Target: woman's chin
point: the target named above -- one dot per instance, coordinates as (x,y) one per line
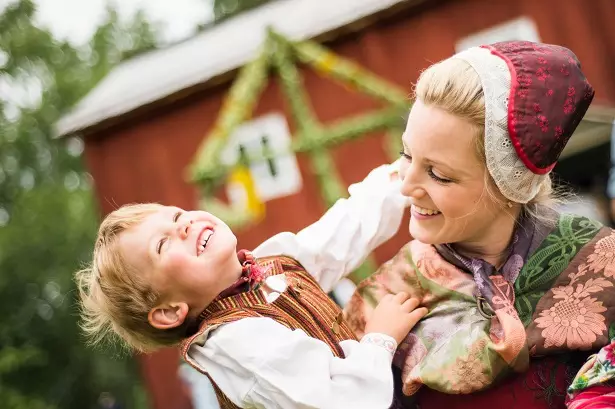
(425,237)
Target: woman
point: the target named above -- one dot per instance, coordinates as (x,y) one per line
(518,294)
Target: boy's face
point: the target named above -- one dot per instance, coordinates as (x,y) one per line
(189,257)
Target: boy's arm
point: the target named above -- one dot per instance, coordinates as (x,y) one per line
(348,232)
(258,362)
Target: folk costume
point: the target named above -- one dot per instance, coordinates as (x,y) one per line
(508,337)
(276,340)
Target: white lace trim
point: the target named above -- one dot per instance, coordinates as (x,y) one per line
(381,340)
(515,181)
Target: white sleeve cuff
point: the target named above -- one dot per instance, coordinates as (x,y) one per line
(381,340)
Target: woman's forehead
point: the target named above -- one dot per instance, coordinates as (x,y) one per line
(435,135)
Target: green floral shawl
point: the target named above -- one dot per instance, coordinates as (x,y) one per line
(563,299)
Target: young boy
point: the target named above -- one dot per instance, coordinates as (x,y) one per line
(259,325)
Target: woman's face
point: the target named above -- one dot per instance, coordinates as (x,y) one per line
(446,182)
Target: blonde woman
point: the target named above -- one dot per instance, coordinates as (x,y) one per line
(515,291)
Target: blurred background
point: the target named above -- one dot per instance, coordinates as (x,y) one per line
(104,103)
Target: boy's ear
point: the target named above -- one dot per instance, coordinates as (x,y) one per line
(168,316)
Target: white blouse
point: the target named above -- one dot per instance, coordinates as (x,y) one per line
(259,363)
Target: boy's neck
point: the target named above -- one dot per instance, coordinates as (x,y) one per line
(243,283)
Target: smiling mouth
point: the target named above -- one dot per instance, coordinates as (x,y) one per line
(425,212)
(203,239)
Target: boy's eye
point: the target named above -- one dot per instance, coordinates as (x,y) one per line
(176,217)
(159,245)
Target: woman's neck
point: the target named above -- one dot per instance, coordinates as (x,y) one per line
(492,254)
(493,246)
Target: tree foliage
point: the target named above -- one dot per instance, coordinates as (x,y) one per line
(47,213)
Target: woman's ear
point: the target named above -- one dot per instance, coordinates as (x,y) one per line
(168,316)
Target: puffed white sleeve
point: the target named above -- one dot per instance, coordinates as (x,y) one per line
(260,363)
(348,232)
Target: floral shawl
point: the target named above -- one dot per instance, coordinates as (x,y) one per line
(485,324)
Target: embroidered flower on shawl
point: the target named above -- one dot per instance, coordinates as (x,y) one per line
(576,319)
(573,322)
(433,268)
(382,277)
(467,373)
(394,276)
(435,335)
(603,257)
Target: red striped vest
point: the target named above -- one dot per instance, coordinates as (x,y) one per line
(304,305)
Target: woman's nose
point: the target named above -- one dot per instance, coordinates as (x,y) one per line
(409,185)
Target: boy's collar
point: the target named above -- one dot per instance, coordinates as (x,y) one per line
(251,276)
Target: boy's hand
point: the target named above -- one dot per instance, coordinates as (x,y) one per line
(395,316)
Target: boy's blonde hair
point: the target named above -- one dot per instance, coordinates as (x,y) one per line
(115,298)
(455,87)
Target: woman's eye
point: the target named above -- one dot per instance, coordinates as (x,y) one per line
(438,178)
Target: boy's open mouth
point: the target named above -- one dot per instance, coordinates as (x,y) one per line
(203,239)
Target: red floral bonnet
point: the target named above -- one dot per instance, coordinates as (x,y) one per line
(535,96)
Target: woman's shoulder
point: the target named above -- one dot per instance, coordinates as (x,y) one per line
(579,225)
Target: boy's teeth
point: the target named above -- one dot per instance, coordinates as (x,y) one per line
(206,236)
(204,240)
(426,212)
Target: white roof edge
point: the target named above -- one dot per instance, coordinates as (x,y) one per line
(222,48)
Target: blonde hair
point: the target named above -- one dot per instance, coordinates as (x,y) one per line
(115,298)
(455,87)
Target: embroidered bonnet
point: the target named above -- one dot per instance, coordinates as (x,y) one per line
(535,96)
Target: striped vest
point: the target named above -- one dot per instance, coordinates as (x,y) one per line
(304,305)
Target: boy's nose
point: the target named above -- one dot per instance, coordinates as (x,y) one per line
(184,229)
